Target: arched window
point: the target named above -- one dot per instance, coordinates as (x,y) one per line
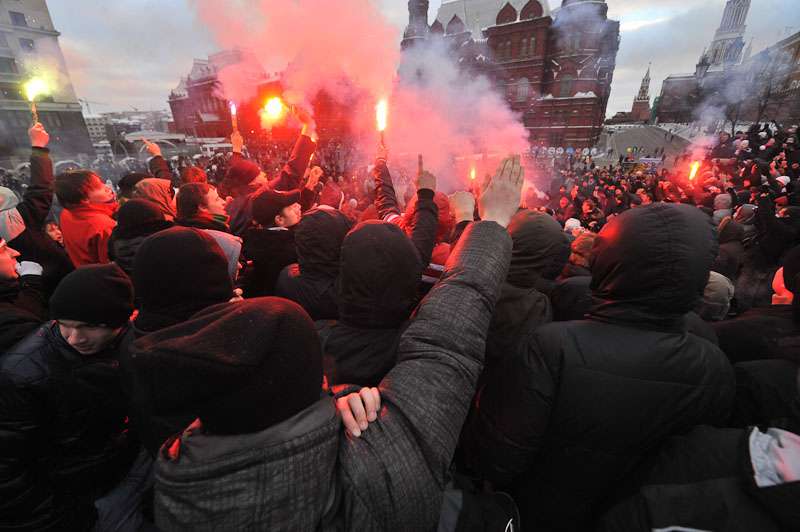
(532,46)
(508,49)
(523,90)
(523,47)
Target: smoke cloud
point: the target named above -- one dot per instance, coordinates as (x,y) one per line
(349,50)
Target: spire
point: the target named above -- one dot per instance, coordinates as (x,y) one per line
(644,90)
(728,43)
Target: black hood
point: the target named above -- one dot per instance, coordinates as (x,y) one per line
(540,249)
(651,265)
(730,231)
(318,238)
(380,272)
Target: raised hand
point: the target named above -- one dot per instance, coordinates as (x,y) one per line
(152,148)
(501,195)
(463,204)
(38,135)
(426,180)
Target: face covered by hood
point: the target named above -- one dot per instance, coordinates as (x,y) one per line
(380,273)
(651,265)
(160,192)
(318,238)
(540,249)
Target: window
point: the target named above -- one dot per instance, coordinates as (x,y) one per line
(18,19)
(523,90)
(27,45)
(532,47)
(8,65)
(566,86)
(524,47)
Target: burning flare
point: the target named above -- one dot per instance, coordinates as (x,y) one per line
(274,109)
(382,114)
(36,87)
(234,120)
(694,168)
(472,174)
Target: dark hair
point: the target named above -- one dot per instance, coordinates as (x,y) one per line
(193,174)
(191,197)
(72,187)
(128,183)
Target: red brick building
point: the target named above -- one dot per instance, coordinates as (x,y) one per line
(554,68)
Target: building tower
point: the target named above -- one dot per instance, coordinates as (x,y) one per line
(417,29)
(641,104)
(728,44)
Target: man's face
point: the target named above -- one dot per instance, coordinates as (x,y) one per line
(587,207)
(214,204)
(724,137)
(563,202)
(87,339)
(289,216)
(8,262)
(54,232)
(99,192)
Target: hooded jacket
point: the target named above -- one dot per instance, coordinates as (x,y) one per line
(573,413)
(539,254)
(311,282)
(158,191)
(377,291)
(87,229)
(22,223)
(63,433)
(731,250)
(306,474)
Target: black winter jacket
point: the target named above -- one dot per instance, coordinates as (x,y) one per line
(23,308)
(63,433)
(576,410)
(267,252)
(33,243)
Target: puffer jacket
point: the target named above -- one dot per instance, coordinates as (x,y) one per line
(305,474)
(23,308)
(63,433)
(583,401)
(716,479)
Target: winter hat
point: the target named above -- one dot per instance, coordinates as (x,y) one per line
(331,195)
(269,203)
(99,294)
(242,173)
(745,214)
(791,267)
(139,217)
(717,297)
(571,224)
(783,180)
(722,202)
(8,199)
(178,272)
(380,273)
(128,183)
(240,367)
(540,249)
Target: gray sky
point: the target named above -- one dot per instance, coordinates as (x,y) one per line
(131,53)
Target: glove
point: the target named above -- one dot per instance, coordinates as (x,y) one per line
(28,268)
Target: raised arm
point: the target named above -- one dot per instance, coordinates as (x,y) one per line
(158,166)
(294,170)
(425,219)
(385,196)
(440,356)
(38,198)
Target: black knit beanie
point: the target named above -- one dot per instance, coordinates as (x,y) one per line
(97,295)
(240,367)
(177,272)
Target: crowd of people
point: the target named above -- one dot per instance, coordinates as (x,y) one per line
(245,344)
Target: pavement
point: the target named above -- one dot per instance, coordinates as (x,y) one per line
(647,137)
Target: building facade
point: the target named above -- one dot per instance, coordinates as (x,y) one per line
(554,68)
(27,39)
(96,125)
(730,84)
(640,112)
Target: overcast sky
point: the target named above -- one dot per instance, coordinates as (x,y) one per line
(131,53)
